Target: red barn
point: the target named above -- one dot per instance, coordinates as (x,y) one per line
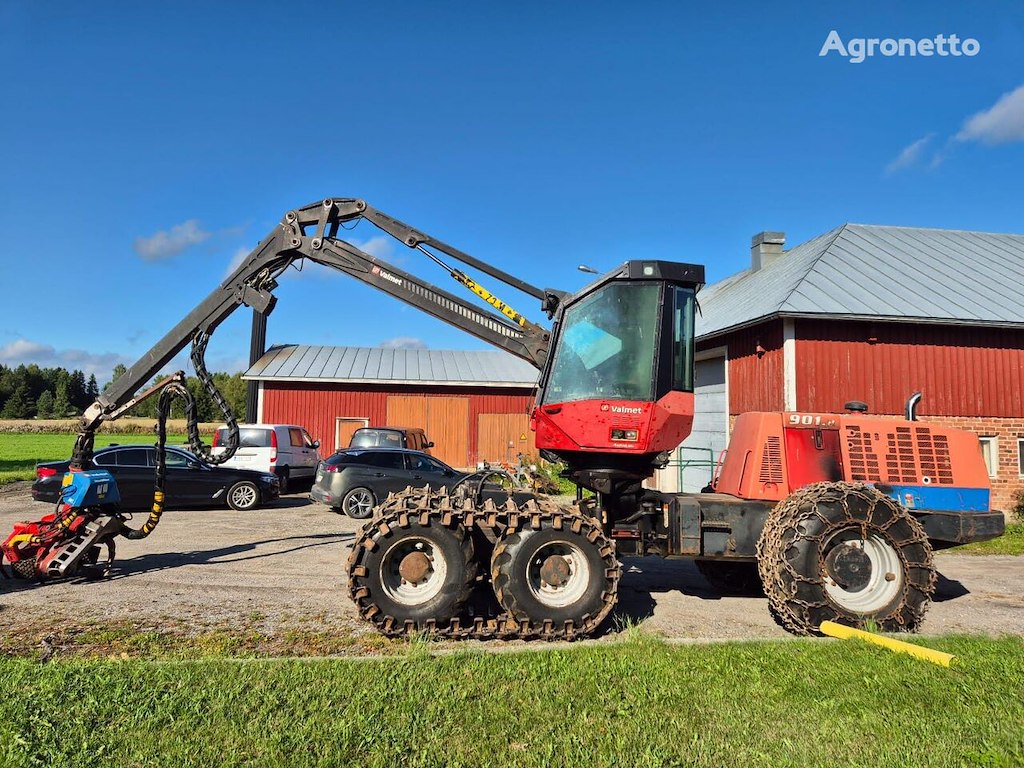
(873,314)
(474,406)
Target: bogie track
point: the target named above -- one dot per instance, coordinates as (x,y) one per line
(576,578)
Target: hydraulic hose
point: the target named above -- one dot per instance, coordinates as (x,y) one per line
(163,410)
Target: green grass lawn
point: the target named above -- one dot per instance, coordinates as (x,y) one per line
(636,703)
(19,453)
(1010,543)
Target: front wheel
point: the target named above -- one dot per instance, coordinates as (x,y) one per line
(358,503)
(845,552)
(244,496)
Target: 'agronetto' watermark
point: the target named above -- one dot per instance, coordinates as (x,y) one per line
(859,48)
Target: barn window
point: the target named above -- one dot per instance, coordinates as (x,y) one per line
(1020,457)
(990,452)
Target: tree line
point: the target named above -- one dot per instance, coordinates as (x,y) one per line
(32,392)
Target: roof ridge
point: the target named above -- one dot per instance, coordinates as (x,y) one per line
(838,231)
(934,229)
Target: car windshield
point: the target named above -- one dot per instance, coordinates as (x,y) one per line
(376,438)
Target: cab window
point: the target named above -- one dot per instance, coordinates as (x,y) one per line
(607,346)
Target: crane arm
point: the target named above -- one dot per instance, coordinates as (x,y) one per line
(311,232)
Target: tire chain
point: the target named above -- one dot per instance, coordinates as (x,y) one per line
(782,530)
(460,509)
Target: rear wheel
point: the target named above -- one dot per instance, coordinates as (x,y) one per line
(415,569)
(845,552)
(283,473)
(358,503)
(244,496)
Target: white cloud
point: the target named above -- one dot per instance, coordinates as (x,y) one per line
(909,156)
(25,351)
(1001,123)
(381,246)
(404,342)
(167,243)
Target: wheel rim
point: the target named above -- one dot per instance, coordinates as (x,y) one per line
(244,496)
(558,574)
(359,503)
(413,571)
(861,575)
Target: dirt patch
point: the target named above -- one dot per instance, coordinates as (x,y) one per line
(273,582)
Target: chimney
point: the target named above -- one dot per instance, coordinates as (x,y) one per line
(765,247)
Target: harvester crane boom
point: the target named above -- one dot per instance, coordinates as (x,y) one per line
(311,232)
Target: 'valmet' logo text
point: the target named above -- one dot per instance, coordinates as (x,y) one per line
(626,409)
(387,276)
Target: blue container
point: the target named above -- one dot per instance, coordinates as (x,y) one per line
(90,489)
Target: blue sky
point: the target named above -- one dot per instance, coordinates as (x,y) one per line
(146,146)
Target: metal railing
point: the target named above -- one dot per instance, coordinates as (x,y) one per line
(689,459)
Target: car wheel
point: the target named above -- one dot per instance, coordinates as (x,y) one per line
(359,503)
(244,496)
(282,477)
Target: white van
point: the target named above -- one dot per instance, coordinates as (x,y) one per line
(286,450)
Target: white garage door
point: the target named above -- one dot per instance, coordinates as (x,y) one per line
(700,451)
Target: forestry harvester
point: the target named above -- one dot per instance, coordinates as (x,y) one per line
(834,516)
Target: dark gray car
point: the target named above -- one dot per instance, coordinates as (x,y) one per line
(355,480)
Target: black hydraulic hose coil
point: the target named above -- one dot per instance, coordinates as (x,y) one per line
(163,411)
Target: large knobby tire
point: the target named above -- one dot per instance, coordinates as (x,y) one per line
(358,503)
(542,573)
(844,552)
(412,569)
(244,496)
(730,577)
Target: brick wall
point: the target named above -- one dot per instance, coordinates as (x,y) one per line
(1006,431)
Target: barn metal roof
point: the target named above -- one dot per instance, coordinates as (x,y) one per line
(858,271)
(378,365)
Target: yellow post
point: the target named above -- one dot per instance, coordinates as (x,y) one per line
(845,633)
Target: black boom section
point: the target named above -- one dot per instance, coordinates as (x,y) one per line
(311,233)
(433,300)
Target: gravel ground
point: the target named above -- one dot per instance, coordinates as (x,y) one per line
(280,571)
